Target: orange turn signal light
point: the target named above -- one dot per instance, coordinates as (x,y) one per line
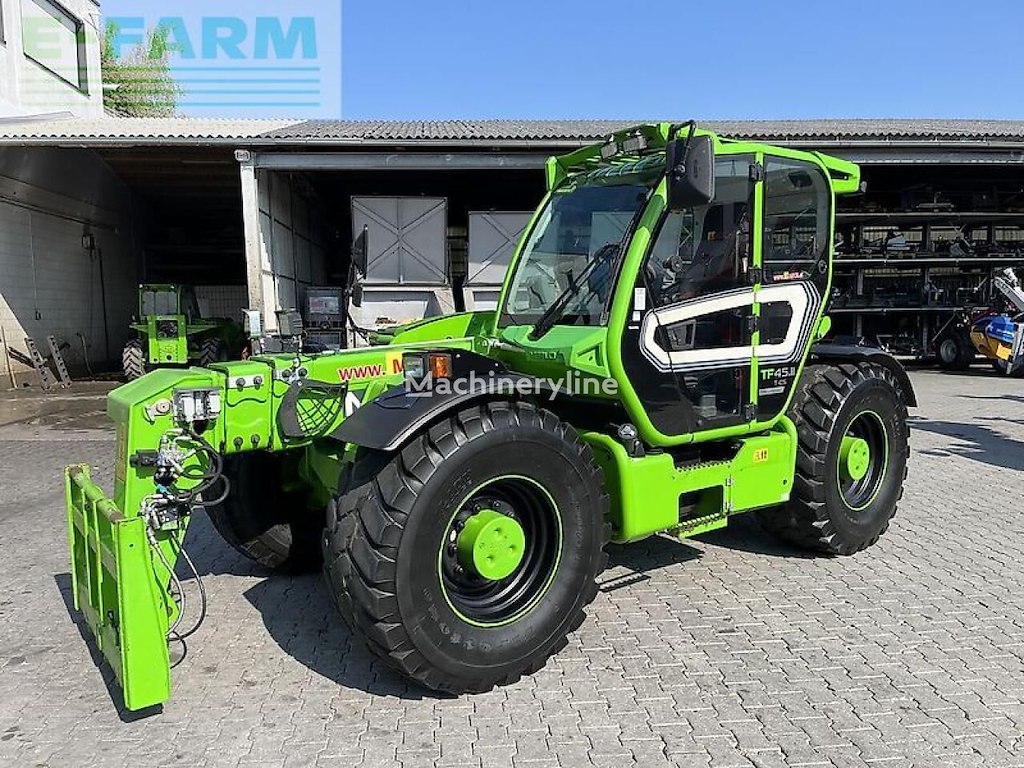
(440,366)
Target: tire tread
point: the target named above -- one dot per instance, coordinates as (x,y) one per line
(133,360)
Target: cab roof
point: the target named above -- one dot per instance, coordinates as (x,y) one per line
(639,148)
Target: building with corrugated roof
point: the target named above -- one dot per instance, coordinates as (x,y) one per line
(253,212)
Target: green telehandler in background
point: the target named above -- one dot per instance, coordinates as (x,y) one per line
(172,333)
(655,366)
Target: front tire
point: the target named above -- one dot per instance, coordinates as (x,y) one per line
(133,360)
(396,564)
(271,526)
(852,456)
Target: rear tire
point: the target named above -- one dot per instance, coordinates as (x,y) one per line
(133,360)
(956,351)
(392,528)
(828,511)
(213,350)
(274,527)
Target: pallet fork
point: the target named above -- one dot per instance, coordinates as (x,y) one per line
(117,587)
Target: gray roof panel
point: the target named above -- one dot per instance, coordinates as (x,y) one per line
(590,130)
(503,133)
(152,130)
(454,130)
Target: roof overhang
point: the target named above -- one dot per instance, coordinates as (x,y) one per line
(426,145)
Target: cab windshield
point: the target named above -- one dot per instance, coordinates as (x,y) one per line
(159,302)
(579,224)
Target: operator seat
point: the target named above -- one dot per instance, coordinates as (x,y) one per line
(716,263)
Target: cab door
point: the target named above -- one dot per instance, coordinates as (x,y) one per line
(794,274)
(687,348)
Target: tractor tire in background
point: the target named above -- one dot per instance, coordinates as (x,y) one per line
(955,350)
(999,366)
(852,456)
(133,360)
(465,560)
(272,526)
(213,350)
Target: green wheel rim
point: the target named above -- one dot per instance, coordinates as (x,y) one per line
(491,545)
(862,460)
(500,551)
(854,457)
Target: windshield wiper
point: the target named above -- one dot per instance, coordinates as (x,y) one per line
(554,313)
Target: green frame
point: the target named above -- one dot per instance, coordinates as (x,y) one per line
(163,351)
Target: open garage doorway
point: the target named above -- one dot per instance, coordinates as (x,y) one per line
(439,238)
(186,212)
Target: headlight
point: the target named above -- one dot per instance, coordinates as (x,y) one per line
(417,365)
(635,144)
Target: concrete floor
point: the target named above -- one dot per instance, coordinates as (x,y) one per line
(728,650)
(30,410)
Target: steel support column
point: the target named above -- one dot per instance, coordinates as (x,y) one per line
(254,272)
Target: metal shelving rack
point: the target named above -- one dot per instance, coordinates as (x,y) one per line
(905,296)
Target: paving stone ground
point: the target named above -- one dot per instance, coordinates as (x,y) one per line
(728,650)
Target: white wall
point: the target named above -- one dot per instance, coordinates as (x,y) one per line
(292,237)
(28,88)
(49,282)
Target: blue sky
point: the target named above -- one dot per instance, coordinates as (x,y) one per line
(742,59)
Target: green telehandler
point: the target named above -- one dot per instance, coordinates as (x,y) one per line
(655,366)
(172,333)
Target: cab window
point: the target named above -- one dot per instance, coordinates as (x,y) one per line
(706,249)
(796,222)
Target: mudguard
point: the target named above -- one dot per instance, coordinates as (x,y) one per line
(385,423)
(857,353)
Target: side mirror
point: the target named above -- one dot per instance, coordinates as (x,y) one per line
(357,294)
(360,250)
(691,178)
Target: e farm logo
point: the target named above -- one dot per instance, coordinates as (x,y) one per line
(233,38)
(275,59)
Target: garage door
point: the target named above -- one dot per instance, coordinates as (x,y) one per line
(407,238)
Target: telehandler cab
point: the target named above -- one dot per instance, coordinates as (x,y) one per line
(655,366)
